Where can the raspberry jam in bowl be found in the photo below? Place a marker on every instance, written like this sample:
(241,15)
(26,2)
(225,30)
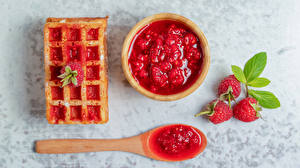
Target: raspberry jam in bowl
(165,57)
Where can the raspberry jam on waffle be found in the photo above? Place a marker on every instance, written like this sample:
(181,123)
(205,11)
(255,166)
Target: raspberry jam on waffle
(83,41)
(165,57)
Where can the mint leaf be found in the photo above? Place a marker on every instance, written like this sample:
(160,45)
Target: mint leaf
(74,73)
(62,76)
(266,99)
(238,73)
(74,81)
(255,66)
(68,70)
(66,82)
(259,82)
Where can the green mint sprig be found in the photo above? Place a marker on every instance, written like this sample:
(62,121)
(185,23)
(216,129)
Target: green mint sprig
(250,77)
(68,77)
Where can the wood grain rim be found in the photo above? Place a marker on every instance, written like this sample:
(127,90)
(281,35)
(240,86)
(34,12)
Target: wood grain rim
(189,24)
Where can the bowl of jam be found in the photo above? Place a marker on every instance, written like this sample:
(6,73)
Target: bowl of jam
(165,57)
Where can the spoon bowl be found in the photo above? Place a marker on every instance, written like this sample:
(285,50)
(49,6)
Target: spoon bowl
(144,144)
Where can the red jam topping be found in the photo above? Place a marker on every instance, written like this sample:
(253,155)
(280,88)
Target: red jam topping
(74,35)
(92,34)
(57,113)
(74,53)
(55,34)
(75,93)
(75,113)
(56,54)
(92,53)
(176,142)
(57,93)
(93,113)
(92,92)
(165,57)
(92,72)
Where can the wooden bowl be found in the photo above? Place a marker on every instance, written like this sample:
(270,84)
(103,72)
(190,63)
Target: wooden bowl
(184,21)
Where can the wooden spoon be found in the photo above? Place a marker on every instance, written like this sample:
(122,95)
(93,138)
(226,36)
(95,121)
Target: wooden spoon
(139,144)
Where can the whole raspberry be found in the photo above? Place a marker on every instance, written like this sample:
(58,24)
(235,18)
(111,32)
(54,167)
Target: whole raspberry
(165,66)
(173,30)
(192,54)
(247,110)
(176,77)
(229,88)
(72,74)
(138,65)
(218,111)
(142,57)
(190,39)
(158,77)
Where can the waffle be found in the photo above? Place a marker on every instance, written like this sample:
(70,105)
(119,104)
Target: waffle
(80,40)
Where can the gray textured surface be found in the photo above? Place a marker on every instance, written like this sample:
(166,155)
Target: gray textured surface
(235,29)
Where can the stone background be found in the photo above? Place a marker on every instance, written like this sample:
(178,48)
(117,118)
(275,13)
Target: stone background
(235,29)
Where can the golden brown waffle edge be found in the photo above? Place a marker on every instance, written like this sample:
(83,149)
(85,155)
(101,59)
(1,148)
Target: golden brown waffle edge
(61,107)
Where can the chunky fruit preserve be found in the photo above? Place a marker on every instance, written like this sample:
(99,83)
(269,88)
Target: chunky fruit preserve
(176,142)
(165,57)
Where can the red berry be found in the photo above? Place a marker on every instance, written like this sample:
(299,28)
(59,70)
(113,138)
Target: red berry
(173,30)
(74,66)
(176,77)
(178,63)
(193,65)
(159,78)
(192,54)
(165,66)
(175,53)
(247,110)
(162,56)
(167,49)
(175,48)
(159,43)
(170,41)
(155,52)
(138,65)
(150,35)
(173,39)
(224,87)
(190,39)
(143,44)
(142,57)
(218,111)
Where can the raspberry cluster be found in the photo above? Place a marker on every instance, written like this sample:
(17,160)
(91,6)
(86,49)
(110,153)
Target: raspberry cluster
(218,110)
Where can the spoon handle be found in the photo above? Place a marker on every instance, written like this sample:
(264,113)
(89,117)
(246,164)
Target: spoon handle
(55,146)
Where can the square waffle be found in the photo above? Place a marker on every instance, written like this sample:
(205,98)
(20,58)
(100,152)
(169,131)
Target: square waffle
(81,40)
